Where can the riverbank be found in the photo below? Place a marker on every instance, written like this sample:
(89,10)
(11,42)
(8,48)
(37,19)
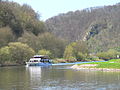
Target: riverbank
(11,64)
(111,65)
(7,65)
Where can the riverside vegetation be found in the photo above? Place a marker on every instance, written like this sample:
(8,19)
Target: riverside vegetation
(23,34)
(111,65)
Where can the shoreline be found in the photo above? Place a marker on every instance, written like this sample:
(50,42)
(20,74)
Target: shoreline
(11,65)
(79,67)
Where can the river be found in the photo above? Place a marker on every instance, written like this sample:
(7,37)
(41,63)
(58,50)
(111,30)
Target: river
(56,78)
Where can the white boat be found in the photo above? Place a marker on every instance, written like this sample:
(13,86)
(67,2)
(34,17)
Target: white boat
(39,60)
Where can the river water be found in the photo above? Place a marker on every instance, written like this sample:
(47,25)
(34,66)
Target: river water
(57,78)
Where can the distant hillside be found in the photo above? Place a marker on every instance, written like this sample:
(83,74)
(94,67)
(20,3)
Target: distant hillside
(99,26)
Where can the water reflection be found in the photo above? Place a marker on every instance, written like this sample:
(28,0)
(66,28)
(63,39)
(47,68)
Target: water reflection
(35,72)
(57,78)
(14,78)
(35,76)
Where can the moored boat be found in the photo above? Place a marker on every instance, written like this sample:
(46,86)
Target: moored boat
(39,60)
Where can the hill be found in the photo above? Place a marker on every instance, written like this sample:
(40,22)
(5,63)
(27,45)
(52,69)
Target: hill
(20,23)
(98,26)
(72,36)
(16,20)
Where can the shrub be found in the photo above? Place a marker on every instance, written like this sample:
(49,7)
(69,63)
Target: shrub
(81,57)
(20,52)
(110,54)
(44,52)
(4,54)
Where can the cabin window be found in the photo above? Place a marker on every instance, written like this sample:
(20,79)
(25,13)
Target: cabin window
(35,60)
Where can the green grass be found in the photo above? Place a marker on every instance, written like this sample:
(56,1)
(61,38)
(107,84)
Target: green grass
(113,63)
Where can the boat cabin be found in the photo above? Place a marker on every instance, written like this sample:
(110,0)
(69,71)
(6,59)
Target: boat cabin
(40,58)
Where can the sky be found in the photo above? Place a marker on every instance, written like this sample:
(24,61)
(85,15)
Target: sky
(50,8)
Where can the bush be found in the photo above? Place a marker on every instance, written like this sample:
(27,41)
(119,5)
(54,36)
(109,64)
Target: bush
(20,52)
(81,57)
(44,52)
(68,53)
(4,54)
(110,54)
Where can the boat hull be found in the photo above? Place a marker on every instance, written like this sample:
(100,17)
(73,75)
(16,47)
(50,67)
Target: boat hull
(38,64)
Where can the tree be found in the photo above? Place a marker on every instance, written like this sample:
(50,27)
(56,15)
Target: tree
(68,53)
(8,18)
(50,42)
(99,26)
(20,18)
(6,36)
(20,52)
(4,54)
(76,50)
(117,48)
(31,40)
(110,54)
(81,57)
(44,52)
(80,46)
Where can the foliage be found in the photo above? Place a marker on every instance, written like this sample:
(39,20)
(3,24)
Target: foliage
(55,45)
(68,54)
(76,50)
(4,54)
(45,41)
(81,57)
(117,48)
(16,53)
(31,40)
(82,47)
(6,36)
(72,35)
(59,60)
(98,26)
(110,54)
(8,18)
(20,18)
(22,24)
(20,52)
(44,52)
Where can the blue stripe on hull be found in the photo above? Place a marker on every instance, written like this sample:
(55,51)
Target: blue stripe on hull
(40,64)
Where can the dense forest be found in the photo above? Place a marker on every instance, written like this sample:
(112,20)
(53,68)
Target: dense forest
(89,34)
(23,34)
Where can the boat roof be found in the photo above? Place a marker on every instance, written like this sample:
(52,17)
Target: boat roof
(40,56)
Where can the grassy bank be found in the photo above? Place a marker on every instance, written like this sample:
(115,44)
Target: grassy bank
(111,64)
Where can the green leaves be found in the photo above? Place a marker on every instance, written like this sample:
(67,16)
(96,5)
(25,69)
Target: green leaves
(20,18)
(44,52)
(16,52)
(76,50)
(110,54)
(50,42)
(6,36)
(5,54)
(68,53)
(20,52)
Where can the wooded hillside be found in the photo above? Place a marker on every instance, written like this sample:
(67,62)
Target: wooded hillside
(99,26)
(23,34)
(72,36)
(16,20)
